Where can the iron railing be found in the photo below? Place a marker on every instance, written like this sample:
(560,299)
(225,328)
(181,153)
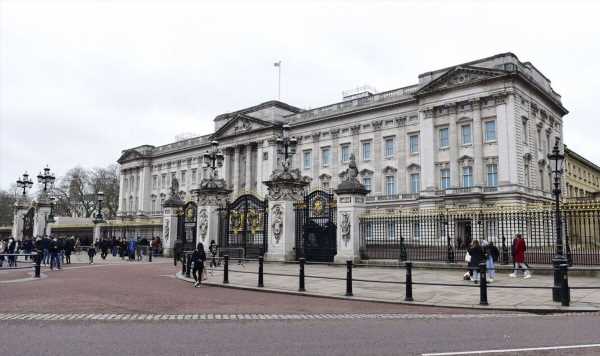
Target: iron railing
(445,235)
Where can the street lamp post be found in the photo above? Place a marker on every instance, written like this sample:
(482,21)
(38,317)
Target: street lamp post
(213,159)
(24,183)
(98,219)
(51,219)
(286,145)
(46,178)
(556,163)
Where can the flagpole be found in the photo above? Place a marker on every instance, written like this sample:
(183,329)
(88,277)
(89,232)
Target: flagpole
(278,65)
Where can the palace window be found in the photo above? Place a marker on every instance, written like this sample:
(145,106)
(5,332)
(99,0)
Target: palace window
(465,131)
(489,131)
(444,178)
(153,206)
(345,152)
(306,159)
(183,177)
(415,183)
(413,143)
(391,230)
(526,173)
(389,147)
(492,175)
(367,183)
(194,176)
(265,156)
(125,181)
(525,133)
(325,156)
(366,151)
(443,138)
(163,181)
(467,177)
(154,182)
(390,185)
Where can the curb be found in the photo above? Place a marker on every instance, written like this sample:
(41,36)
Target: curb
(536,310)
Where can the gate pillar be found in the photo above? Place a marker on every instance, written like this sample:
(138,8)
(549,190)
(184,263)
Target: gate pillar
(42,211)
(209,203)
(283,191)
(22,206)
(172,210)
(351,203)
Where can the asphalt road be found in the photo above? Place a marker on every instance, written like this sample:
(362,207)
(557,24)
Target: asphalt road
(149,289)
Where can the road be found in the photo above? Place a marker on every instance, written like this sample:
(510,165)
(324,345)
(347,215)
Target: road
(130,290)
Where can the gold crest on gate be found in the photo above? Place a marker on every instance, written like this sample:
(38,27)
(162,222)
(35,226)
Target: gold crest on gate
(318,207)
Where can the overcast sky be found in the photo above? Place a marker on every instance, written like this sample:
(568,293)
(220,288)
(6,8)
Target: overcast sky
(79,82)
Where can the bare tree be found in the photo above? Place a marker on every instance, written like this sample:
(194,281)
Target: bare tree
(7,206)
(106,180)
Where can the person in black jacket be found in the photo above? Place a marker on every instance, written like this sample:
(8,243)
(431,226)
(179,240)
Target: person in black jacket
(198,258)
(476,253)
(69,247)
(54,257)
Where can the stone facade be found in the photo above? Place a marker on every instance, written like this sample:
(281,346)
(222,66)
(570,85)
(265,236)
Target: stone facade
(475,134)
(582,176)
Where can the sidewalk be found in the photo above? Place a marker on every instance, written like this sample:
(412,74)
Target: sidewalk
(466,294)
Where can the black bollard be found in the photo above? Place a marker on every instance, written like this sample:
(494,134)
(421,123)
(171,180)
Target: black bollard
(260,271)
(349,278)
(565,293)
(38,267)
(301,276)
(482,285)
(408,282)
(225,269)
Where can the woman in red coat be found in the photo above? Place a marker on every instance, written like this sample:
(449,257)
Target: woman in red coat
(519,256)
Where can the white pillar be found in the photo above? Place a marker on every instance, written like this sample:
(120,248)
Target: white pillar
(40,225)
(236,170)
(248,170)
(169,234)
(282,225)
(21,208)
(426,150)
(349,208)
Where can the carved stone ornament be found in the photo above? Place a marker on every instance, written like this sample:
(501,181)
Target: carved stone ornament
(282,190)
(345,228)
(166,231)
(377,124)
(277,222)
(203,223)
(174,200)
(351,184)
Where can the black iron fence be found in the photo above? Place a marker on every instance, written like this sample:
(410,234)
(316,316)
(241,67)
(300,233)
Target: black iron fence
(445,235)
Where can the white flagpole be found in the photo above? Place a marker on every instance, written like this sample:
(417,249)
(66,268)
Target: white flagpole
(278,65)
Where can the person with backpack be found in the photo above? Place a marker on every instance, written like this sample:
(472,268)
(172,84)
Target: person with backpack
(491,257)
(198,257)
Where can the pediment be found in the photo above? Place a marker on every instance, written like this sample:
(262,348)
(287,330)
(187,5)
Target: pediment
(460,76)
(241,124)
(129,155)
(324,176)
(366,172)
(389,169)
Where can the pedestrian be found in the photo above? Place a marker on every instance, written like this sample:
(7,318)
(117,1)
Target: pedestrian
(212,248)
(131,248)
(519,257)
(54,256)
(61,250)
(104,248)
(2,251)
(198,257)
(91,253)
(45,250)
(476,257)
(114,246)
(122,248)
(11,249)
(69,246)
(491,257)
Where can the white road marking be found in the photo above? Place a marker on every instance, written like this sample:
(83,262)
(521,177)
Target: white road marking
(546,348)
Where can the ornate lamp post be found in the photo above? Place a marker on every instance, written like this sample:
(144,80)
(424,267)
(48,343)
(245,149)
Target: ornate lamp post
(46,178)
(213,159)
(24,183)
(556,163)
(286,145)
(98,219)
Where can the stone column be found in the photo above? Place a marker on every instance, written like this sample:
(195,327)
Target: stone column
(209,203)
(282,193)
(169,234)
(507,141)
(145,187)
(40,225)
(455,144)
(236,170)
(351,204)
(97,232)
(22,206)
(426,146)
(478,177)
(248,170)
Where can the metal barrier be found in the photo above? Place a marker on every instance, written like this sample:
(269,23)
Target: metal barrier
(409,281)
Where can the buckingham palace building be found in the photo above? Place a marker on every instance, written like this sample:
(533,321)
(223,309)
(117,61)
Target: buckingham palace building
(471,135)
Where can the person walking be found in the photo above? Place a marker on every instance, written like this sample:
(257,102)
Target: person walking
(491,257)
(131,248)
(46,250)
(11,249)
(519,257)
(54,254)
(2,251)
(198,257)
(69,246)
(476,253)
(104,248)
(91,253)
